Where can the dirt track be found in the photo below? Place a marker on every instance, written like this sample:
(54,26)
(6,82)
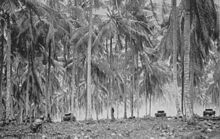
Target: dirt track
(130,128)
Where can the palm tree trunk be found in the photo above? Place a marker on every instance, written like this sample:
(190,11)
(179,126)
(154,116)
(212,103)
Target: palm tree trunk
(218,23)
(182,91)
(146,97)
(182,75)
(48,86)
(162,11)
(65,51)
(30,112)
(107,110)
(132,96)
(63,105)
(31,64)
(192,84)
(27,97)
(133,88)
(77,102)
(89,107)
(34,111)
(146,108)
(108,80)
(218,15)
(125,104)
(187,92)
(21,114)
(70,89)
(150,99)
(1,66)
(175,55)
(76,96)
(125,85)
(73,86)
(138,102)
(57,107)
(27,87)
(117,108)
(8,91)
(111,78)
(125,100)
(97,114)
(137,88)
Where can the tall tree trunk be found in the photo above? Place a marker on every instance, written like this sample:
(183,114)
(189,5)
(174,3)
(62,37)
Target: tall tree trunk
(150,103)
(138,103)
(182,84)
(218,41)
(132,90)
(63,105)
(108,80)
(146,97)
(77,93)
(132,96)
(146,108)
(137,87)
(57,107)
(1,58)
(97,113)
(218,16)
(65,51)
(21,114)
(32,56)
(117,108)
(125,85)
(89,107)
(31,108)
(8,91)
(64,79)
(107,110)
(182,91)
(125,102)
(175,55)
(192,95)
(1,68)
(111,78)
(8,95)
(48,85)
(182,75)
(73,86)
(27,87)
(187,92)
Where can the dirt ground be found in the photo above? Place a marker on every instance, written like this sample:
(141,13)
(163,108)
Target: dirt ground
(140,128)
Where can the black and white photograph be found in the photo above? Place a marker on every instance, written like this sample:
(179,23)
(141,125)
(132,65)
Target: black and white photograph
(109,69)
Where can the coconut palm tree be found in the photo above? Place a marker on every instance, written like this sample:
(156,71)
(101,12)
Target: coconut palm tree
(1,64)
(8,10)
(35,48)
(8,98)
(7,6)
(187,28)
(201,34)
(89,105)
(174,17)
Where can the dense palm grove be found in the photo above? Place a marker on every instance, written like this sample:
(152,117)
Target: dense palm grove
(62,56)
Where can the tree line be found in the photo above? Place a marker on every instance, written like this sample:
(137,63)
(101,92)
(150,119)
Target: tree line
(61,56)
